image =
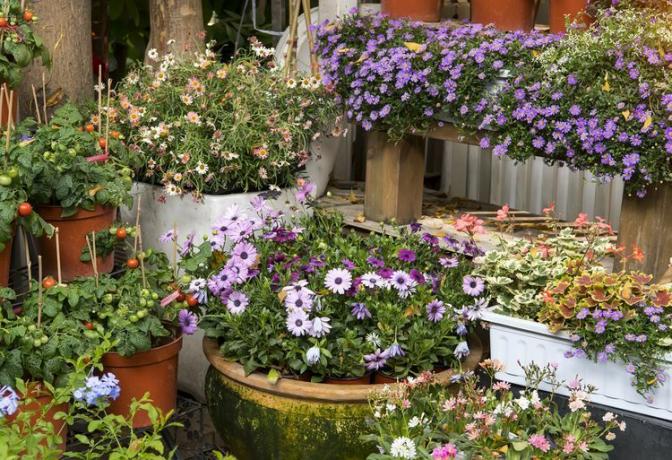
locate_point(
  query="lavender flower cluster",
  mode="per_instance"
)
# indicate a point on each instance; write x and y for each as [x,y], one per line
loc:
[597,101]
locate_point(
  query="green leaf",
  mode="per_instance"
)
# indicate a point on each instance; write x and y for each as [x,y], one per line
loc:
[273,376]
[520,445]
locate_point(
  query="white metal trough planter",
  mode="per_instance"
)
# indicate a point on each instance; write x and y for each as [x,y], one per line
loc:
[514,340]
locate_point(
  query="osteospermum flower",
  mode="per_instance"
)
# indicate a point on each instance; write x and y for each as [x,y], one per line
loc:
[198,288]
[407,255]
[313,355]
[360,311]
[402,282]
[237,303]
[461,350]
[298,323]
[395,350]
[170,235]
[188,321]
[473,285]
[376,360]
[371,280]
[338,280]
[245,252]
[320,326]
[9,401]
[435,311]
[403,447]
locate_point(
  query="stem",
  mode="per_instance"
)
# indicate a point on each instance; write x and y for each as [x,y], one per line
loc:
[44,99]
[107,117]
[9,127]
[58,256]
[174,251]
[314,66]
[137,225]
[142,259]
[39,295]
[100,99]
[37,106]
[29,264]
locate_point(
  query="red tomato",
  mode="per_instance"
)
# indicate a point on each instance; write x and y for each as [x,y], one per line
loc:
[25,209]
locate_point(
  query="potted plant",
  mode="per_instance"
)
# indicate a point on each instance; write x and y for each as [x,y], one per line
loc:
[74,178]
[505,14]
[20,47]
[288,296]
[145,330]
[208,133]
[424,420]
[553,296]
[424,10]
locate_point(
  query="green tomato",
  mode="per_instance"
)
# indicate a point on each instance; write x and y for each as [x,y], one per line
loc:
[134,318]
[5,180]
[113,230]
[44,340]
[150,303]
[13,172]
[107,299]
[142,302]
[32,327]
[186,279]
[37,343]
[155,296]
[72,152]
[145,293]
[142,313]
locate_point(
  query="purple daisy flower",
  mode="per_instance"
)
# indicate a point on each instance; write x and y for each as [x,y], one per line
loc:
[188,321]
[298,323]
[198,288]
[299,299]
[170,235]
[338,280]
[370,280]
[360,311]
[401,281]
[245,252]
[237,303]
[449,262]
[406,255]
[188,244]
[395,350]
[320,326]
[473,285]
[435,311]
[376,360]
[461,350]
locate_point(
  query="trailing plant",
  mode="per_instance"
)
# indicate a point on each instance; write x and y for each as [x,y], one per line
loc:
[19,45]
[424,420]
[296,294]
[68,163]
[202,126]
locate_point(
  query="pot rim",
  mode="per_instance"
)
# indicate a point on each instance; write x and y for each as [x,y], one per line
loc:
[154,355]
[53,212]
[318,391]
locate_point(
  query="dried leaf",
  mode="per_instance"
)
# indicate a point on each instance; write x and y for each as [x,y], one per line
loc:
[415,47]
[360,218]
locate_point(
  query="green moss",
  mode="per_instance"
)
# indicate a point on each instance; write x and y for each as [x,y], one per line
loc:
[256,425]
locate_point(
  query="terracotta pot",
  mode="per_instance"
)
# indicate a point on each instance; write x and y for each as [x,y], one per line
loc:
[575,9]
[505,14]
[416,10]
[73,231]
[4,115]
[40,398]
[153,371]
[293,420]
[383,379]
[5,260]
[363,380]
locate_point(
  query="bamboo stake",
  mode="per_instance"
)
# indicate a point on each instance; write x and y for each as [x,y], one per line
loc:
[92,254]
[29,264]
[174,251]
[44,100]
[9,123]
[294,6]
[107,118]
[100,99]
[137,225]
[37,106]
[314,65]
[39,287]
[58,256]
[142,259]
[23,5]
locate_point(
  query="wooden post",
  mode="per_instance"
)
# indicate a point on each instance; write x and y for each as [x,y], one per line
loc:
[646,223]
[394,178]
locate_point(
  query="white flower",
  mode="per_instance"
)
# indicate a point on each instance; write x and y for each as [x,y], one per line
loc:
[608,417]
[403,447]
[313,355]
[621,426]
[201,168]
[523,402]
[170,42]
[321,326]
[153,54]
[373,339]
[610,436]
[291,83]
[390,407]
[576,404]
[415,421]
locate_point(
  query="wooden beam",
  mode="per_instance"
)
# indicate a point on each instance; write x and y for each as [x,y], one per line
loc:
[394,178]
[646,222]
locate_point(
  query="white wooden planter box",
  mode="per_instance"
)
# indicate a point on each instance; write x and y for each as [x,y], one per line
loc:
[514,340]
[189,216]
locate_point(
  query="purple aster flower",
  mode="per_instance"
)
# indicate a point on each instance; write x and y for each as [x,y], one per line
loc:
[298,323]
[374,262]
[376,360]
[237,303]
[435,311]
[473,285]
[348,264]
[407,255]
[313,355]
[305,189]
[188,321]
[338,280]
[484,143]
[583,313]
[417,276]
[449,262]
[600,326]
[415,227]
[360,311]
[188,244]
[602,357]
[630,368]
[395,350]
[580,353]
[609,348]
[571,79]
[170,235]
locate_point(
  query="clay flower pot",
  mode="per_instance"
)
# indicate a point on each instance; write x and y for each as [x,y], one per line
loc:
[40,398]
[417,10]
[153,371]
[72,232]
[363,380]
[292,420]
[505,14]
[383,379]
[5,115]
[575,9]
